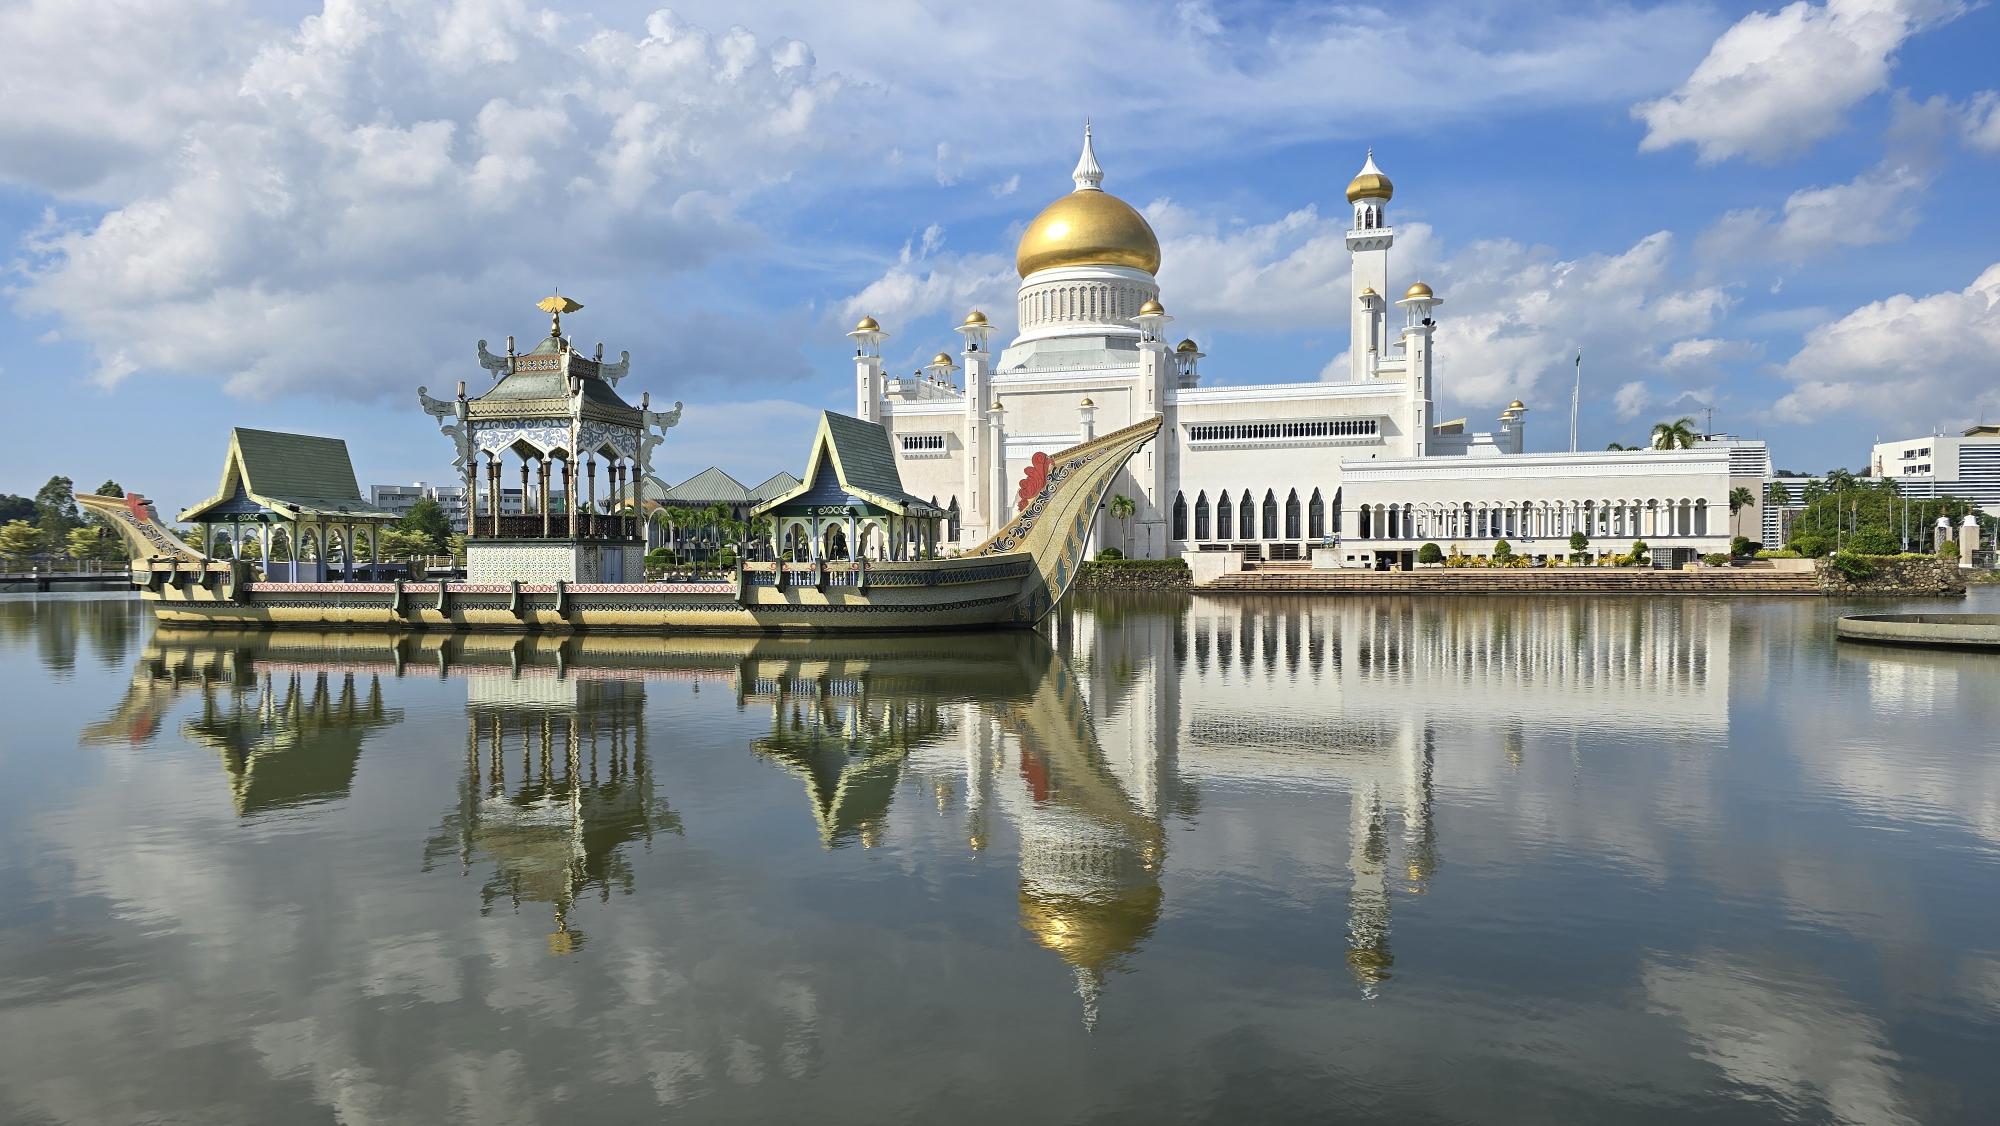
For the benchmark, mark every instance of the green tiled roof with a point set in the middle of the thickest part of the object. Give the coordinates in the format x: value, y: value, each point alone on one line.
x: 710, y: 486
x: 777, y: 484
x: 298, y: 472
x: 862, y: 463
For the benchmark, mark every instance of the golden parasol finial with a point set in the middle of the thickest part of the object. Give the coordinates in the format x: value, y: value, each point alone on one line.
x: 555, y: 306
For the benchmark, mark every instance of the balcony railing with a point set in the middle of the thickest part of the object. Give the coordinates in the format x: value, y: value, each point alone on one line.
x: 589, y: 527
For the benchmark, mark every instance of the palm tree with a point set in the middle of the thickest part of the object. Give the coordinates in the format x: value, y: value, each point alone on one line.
x: 1777, y: 495
x: 1121, y: 507
x: 1741, y: 498
x: 1676, y: 435
x: 1621, y: 446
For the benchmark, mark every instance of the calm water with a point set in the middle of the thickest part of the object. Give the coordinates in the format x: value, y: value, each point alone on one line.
x: 1342, y: 860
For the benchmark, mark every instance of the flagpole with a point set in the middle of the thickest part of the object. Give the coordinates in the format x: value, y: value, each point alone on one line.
x: 1575, y: 395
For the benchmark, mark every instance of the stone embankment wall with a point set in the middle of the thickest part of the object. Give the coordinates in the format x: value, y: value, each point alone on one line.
x: 1134, y: 574
x: 1895, y: 576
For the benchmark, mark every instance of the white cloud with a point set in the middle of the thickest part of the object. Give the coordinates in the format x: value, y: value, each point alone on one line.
x: 927, y: 279
x: 1881, y: 205
x: 1006, y: 187
x: 373, y: 178
x: 1631, y: 400
x: 1903, y: 360
x: 1778, y: 82
x: 1982, y: 121
x: 1704, y: 353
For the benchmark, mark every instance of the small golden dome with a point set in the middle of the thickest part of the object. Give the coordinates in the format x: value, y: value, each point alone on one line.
x: 1369, y: 183
x: 1369, y: 291
x: 1417, y: 290
x: 1517, y: 405
x: 1187, y: 345
x: 867, y: 324
x: 1152, y: 308
x: 996, y: 408
x: 1086, y: 403
x: 1088, y: 227
x: 973, y: 319
x: 942, y: 360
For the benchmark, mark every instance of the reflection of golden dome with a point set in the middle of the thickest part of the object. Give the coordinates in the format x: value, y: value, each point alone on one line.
x: 1187, y: 345
x: 1369, y: 964
x: 1417, y: 289
x: 1369, y: 183
x: 1088, y: 227
x: 1091, y: 933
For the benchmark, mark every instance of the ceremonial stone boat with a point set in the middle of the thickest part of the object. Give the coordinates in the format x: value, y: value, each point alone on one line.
x: 1011, y: 581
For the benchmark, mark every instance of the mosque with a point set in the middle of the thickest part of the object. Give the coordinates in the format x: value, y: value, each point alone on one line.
x: 1357, y: 472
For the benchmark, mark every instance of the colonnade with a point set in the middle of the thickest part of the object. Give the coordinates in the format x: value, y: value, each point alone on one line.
x: 545, y: 486
x: 841, y: 539
x: 1651, y: 518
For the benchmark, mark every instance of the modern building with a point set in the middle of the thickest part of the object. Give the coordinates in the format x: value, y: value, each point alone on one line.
x: 1359, y: 467
x: 1966, y: 464
x: 400, y: 499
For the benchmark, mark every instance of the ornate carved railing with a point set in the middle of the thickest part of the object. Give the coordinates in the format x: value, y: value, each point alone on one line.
x: 589, y: 527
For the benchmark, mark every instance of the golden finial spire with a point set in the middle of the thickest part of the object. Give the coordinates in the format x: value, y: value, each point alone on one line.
x: 555, y: 306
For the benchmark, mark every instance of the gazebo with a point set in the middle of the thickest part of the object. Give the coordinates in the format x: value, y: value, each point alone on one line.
x: 557, y: 413
x: 293, y: 491
x: 852, y: 504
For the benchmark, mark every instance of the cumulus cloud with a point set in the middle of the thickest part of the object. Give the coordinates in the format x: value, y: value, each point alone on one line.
x: 928, y: 279
x: 1982, y: 121
x: 375, y: 176
x: 1903, y: 360
x: 1631, y: 400
x: 1881, y: 205
x: 1778, y: 82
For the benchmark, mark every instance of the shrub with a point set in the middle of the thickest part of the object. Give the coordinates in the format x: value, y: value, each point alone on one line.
x: 1874, y: 541
x: 1786, y: 553
x: 1811, y: 545
x: 1503, y: 552
x: 1578, y: 542
x: 1638, y: 552
x: 1851, y: 566
x: 1430, y: 553
x: 1742, y: 548
x: 1719, y: 559
x: 1110, y: 553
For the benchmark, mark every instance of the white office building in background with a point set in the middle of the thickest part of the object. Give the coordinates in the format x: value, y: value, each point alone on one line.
x: 1966, y: 464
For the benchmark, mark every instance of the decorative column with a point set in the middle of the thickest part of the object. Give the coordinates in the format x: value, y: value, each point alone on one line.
x: 493, y: 491
x: 590, y: 479
x: 542, y: 497
x: 569, y: 496
x: 997, y: 482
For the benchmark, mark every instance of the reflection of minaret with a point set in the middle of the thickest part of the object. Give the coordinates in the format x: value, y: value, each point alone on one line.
x: 1408, y: 757
x: 556, y: 783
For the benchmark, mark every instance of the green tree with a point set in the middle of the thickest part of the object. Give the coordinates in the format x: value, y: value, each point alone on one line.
x: 404, y: 543
x: 1578, y: 543
x: 83, y: 543
x: 55, y: 509
x: 111, y: 488
x: 1503, y: 552
x: 1638, y: 552
x: 14, y: 508
x: 427, y: 519
x: 1676, y: 435
x: 1621, y: 446
x: 1430, y: 553
x: 19, y: 540
x: 1777, y: 495
x: 1741, y: 498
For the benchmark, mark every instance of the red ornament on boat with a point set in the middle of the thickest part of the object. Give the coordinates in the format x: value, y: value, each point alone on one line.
x: 1033, y: 480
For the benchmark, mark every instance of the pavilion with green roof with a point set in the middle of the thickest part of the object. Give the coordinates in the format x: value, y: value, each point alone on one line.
x: 296, y: 492
x: 851, y: 504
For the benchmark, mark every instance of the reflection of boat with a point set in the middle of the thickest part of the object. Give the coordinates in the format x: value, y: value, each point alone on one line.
x: 1011, y: 580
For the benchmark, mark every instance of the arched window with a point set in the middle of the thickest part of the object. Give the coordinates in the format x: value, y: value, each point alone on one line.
x: 1201, y: 515
x: 1367, y: 522
x: 1180, y: 516
x: 1224, y: 528
x: 1336, y: 512
x: 1247, y: 517
x: 1292, y: 515
x: 1315, y: 517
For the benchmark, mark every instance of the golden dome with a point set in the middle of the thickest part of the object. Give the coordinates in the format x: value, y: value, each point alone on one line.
x: 1088, y: 227
x: 1091, y: 933
x: 1369, y: 183
x: 973, y: 319
x: 1417, y: 290
x: 1086, y: 403
x: 1368, y: 291
x: 1152, y: 308
x: 1517, y: 405
x: 1187, y: 345
x: 867, y: 324
x: 941, y: 360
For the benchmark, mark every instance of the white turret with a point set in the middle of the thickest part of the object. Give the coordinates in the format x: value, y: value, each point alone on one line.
x: 1088, y: 176
x: 868, y: 337
x: 1368, y: 243
x: 1417, y: 303
x: 975, y: 523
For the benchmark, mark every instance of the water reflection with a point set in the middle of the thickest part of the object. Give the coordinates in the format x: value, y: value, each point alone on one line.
x: 1477, y: 860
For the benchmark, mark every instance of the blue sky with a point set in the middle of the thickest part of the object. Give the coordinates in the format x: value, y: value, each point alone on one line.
x: 290, y: 215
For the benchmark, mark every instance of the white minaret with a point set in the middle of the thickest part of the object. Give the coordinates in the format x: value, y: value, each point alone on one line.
x: 996, y: 479
x: 868, y: 337
x: 1368, y: 243
x: 1417, y: 303
x: 974, y: 522
x: 1149, y: 466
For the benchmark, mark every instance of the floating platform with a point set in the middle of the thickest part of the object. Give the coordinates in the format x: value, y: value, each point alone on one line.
x: 1934, y: 631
